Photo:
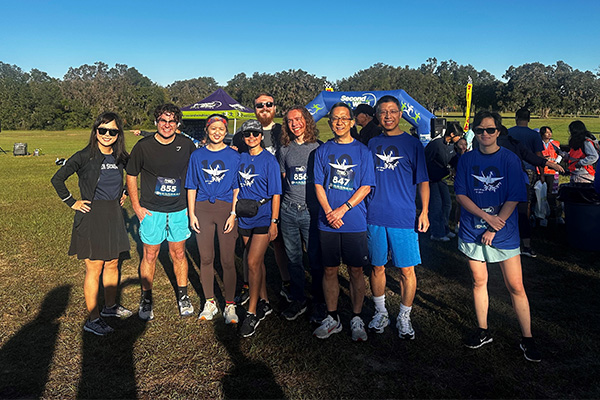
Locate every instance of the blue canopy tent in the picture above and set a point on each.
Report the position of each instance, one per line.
(413, 112)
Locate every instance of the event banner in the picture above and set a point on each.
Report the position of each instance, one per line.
(413, 112)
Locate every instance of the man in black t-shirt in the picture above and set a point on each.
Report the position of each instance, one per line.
(162, 161)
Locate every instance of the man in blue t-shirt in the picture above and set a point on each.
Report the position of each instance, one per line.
(343, 176)
(533, 141)
(400, 170)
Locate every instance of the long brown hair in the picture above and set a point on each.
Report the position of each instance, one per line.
(310, 134)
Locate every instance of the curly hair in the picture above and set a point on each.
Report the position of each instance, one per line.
(168, 109)
(310, 134)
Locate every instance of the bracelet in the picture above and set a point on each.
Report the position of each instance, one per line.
(232, 213)
(348, 205)
(490, 229)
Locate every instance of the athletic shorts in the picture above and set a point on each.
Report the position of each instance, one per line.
(259, 230)
(401, 245)
(350, 247)
(173, 226)
(485, 253)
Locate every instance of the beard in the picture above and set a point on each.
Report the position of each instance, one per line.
(265, 118)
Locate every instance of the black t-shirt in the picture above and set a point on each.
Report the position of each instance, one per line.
(109, 183)
(163, 168)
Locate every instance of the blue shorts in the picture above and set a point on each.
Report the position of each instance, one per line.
(173, 226)
(401, 245)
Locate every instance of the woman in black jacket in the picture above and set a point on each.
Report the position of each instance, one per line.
(99, 234)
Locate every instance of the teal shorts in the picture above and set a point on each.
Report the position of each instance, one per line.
(485, 253)
(401, 245)
(173, 226)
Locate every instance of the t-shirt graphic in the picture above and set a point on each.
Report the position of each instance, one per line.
(342, 172)
(214, 172)
(387, 159)
(248, 175)
(486, 181)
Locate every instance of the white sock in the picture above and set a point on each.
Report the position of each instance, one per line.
(404, 309)
(380, 304)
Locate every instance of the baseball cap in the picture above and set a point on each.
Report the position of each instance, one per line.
(364, 109)
(252, 125)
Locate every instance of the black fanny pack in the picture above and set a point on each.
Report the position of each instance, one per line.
(247, 208)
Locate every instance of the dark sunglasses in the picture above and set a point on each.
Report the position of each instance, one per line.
(253, 133)
(261, 105)
(111, 132)
(489, 131)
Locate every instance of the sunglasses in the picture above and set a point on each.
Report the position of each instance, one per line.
(489, 131)
(253, 133)
(111, 132)
(268, 104)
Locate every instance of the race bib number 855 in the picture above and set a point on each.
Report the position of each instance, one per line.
(167, 187)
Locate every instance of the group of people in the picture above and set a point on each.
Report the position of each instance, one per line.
(350, 200)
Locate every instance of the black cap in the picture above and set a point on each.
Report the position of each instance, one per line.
(364, 109)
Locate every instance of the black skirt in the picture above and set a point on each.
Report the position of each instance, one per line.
(100, 234)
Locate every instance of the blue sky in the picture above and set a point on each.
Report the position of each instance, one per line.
(176, 40)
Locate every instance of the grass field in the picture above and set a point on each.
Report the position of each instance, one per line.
(44, 352)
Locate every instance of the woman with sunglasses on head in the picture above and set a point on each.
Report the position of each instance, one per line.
(259, 181)
(99, 235)
(489, 184)
(212, 194)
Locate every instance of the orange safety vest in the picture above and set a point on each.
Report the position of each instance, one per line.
(551, 154)
(575, 156)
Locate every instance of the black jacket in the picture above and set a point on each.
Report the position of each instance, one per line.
(87, 166)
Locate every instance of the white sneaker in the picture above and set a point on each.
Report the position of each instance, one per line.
(186, 309)
(405, 329)
(440, 239)
(357, 326)
(379, 322)
(145, 311)
(210, 310)
(230, 315)
(328, 327)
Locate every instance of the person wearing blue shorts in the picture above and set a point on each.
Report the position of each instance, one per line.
(489, 184)
(343, 174)
(400, 170)
(162, 161)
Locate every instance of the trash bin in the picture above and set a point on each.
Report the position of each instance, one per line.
(582, 215)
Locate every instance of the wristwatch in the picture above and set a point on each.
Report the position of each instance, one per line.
(275, 220)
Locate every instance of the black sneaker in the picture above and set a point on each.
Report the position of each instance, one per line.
(478, 339)
(530, 351)
(263, 308)
(249, 325)
(294, 310)
(318, 313)
(285, 292)
(528, 251)
(243, 297)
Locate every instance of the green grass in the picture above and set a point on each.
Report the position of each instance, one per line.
(44, 353)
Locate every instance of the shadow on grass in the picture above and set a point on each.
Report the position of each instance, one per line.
(108, 369)
(25, 359)
(247, 378)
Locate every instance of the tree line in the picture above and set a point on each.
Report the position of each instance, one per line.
(34, 100)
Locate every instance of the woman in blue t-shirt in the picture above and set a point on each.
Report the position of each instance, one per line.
(259, 180)
(99, 235)
(212, 194)
(489, 184)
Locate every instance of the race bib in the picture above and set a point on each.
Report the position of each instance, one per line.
(342, 180)
(167, 187)
(297, 175)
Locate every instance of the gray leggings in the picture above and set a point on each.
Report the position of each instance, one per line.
(211, 217)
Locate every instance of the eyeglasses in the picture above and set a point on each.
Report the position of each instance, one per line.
(111, 132)
(389, 112)
(489, 131)
(268, 104)
(344, 120)
(167, 122)
(247, 134)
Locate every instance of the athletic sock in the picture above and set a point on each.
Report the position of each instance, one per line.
(356, 315)
(147, 295)
(405, 309)
(212, 300)
(380, 304)
(334, 314)
(182, 291)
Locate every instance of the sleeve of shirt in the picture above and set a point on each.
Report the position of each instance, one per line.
(420, 170)
(460, 178)
(58, 180)
(191, 179)
(318, 172)
(282, 154)
(591, 155)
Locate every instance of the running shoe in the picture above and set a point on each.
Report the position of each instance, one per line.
(230, 314)
(263, 308)
(145, 311)
(440, 239)
(249, 325)
(243, 297)
(209, 311)
(318, 313)
(294, 310)
(357, 326)
(379, 322)
(478, 338)
(405, 328)
(186, 309)
(528, 251)
(530, 351)
(117, 311)
(285, 292)
(98, 327)
(328, 327)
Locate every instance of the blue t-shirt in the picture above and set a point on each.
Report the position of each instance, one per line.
(258, 178)
(399, 166)
(529, 138)
(110, 181)
(213, 174)
(342, 169)
(490, 180)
